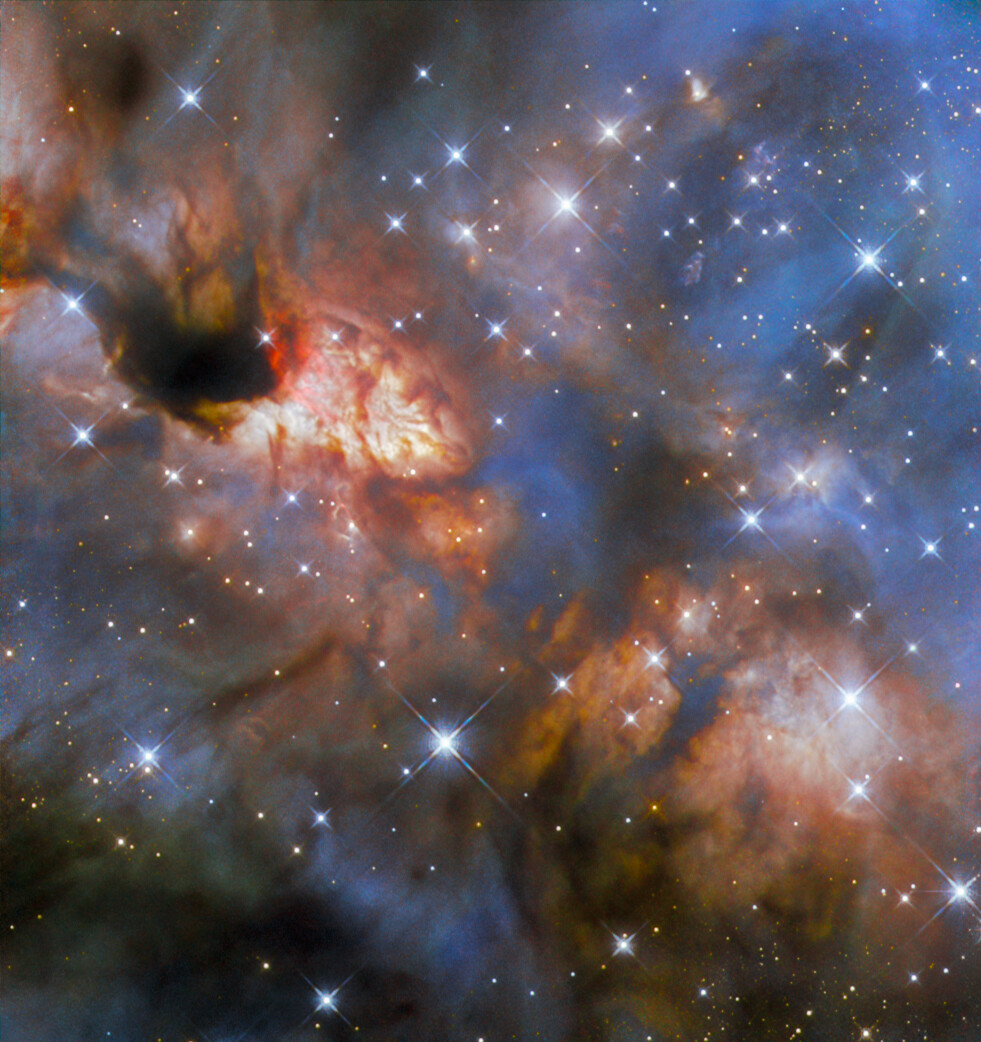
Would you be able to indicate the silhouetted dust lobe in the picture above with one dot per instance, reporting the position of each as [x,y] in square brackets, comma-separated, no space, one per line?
[117,78]
[187,364]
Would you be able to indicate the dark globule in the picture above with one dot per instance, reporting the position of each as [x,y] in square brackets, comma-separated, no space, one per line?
[185,366]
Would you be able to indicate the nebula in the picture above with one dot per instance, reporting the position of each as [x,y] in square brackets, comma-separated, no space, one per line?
[490,521]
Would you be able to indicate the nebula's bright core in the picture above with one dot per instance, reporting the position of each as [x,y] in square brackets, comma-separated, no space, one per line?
[491,513]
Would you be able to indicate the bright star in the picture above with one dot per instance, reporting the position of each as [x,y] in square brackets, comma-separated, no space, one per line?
[751,519]
[445,744]
[836,354]
[654,658]
[960,891]
[629,719]
[74,304]
[609,132]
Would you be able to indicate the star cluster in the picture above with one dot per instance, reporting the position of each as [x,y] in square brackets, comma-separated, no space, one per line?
[490,519]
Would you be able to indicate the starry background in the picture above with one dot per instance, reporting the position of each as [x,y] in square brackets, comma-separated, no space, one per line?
[490,521]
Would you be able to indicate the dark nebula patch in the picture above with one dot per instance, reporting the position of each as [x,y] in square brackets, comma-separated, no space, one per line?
[185,366]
